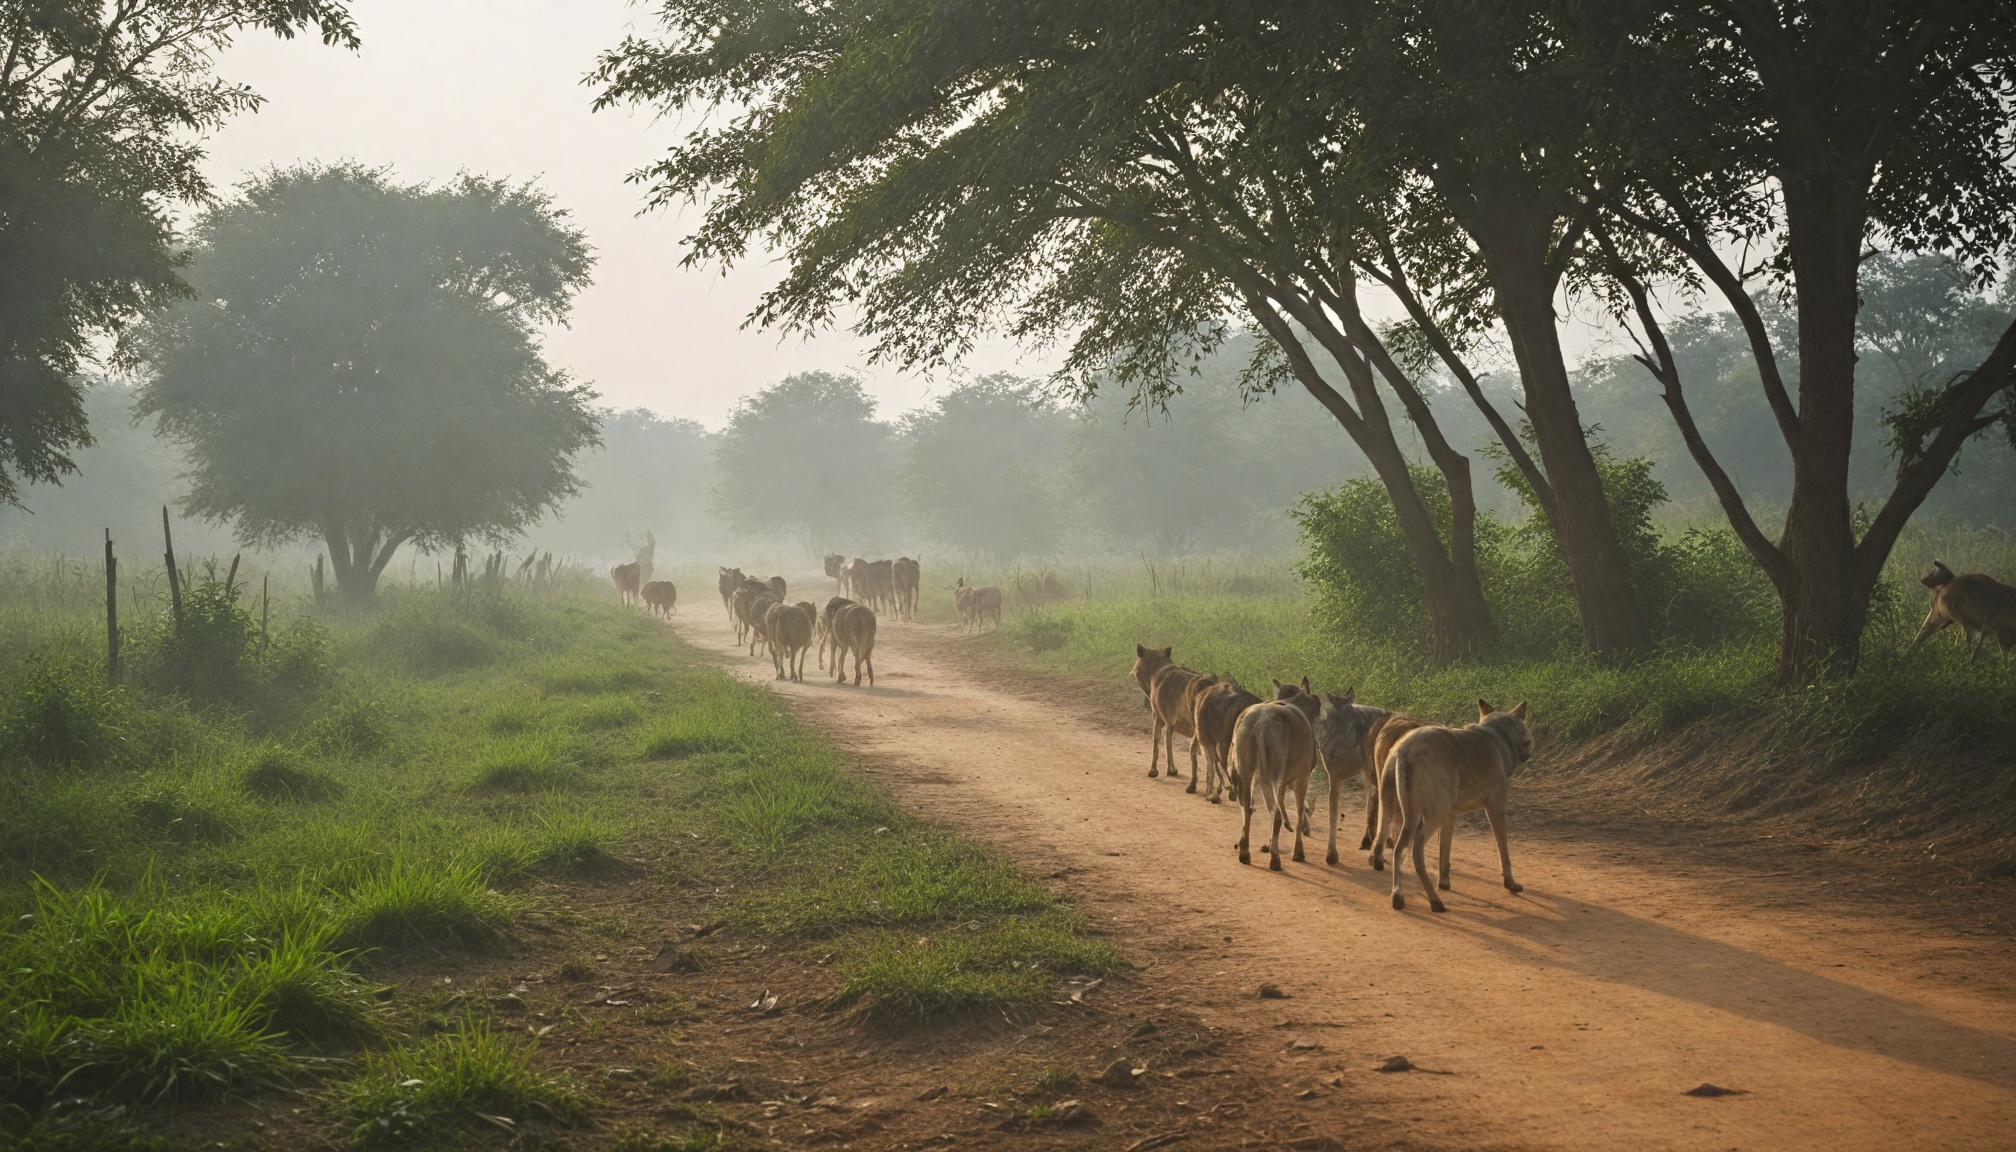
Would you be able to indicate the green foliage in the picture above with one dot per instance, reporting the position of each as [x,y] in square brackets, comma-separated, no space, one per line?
[449,1086]
[280,773]
[1009,965]
[61,715]
[318,278]
[804,458]
[416,903]
[93,157]
[981,468]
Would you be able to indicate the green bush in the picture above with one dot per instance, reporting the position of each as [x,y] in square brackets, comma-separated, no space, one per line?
[280,773]
[62,715]
[208,652]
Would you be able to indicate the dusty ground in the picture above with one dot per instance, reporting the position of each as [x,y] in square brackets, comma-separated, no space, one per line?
[1634,967]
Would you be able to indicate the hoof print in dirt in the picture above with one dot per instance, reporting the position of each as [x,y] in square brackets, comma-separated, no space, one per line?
[672,958]
[1272,992]
[1121,1074]
[1709,1090]
[1396,1064]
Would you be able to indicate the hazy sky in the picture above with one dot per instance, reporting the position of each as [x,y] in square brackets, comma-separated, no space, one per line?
[494,86]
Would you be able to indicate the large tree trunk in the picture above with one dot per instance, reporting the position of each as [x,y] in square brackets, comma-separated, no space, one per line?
[1826,594]
[358,555]
[1459,619]
[1517,259]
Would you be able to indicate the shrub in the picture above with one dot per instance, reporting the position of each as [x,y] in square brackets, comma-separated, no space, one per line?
[298,658]
[207,652]
[356,724]
[62,715]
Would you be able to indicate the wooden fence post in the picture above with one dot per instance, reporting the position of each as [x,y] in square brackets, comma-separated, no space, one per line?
[174,576]
[111,613]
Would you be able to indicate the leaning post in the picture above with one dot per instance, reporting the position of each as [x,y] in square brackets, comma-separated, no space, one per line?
[174,576]
[111,613]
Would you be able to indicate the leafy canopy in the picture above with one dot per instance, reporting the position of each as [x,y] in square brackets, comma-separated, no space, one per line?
[101,109]
[805,458]
[361,361]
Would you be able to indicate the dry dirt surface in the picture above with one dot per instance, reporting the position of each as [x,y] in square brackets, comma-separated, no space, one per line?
[1578,1014]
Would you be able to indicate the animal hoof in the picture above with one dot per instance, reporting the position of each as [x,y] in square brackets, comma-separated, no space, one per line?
[1330,858]
[1365,845]
[1399,903]
[1443,885]
[1274,863]
[1514,886]
[1378,865]
[1191,789]
[1217,799]
[1244,858]
[1152,773]
[1299,858]
[1435,905]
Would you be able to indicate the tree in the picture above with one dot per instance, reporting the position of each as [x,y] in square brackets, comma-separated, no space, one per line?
[1101,170]
[649,475]
[361,364]
[98,106]
[806,457]
[1810,135]
[981,468]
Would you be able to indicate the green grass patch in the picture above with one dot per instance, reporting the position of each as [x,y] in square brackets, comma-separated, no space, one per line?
[535,763]
[967,968]
[452,1086]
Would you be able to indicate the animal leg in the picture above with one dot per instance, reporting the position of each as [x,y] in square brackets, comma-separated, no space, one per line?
[1302,811]
[1280,814]
[1495,812]
[1371,783]
[1448,831]
[1193,766]
[1154,744]
[1421,864]
[1974,641]
[1336,793]
[871,670]
[1246,829]
[1399,873]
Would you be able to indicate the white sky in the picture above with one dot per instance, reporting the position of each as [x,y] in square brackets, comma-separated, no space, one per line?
[494,86]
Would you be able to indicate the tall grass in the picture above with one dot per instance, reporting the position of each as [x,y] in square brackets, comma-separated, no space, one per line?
[203,876]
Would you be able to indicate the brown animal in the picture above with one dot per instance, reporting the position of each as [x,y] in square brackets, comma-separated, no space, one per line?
[751,603]
[1352,740]
[1982,605]
[661,598]
[1436,773]
[853,579]
[1274,751]
[832,565]
[975,604]
[1147,662]
[1217,710]
[1172,700]
[625,577]
[731,579]
[881,586]
[1150,664]
[790,628]
[826,625]
[909,576]
[853,630]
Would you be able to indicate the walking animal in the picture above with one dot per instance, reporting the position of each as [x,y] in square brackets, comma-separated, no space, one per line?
[1217,711]
[1348,741]
[1982,605]
[661,598]
[826,626]
[790,629]
[853,631]
[909,578]
[1274,751]
[731,579]
[832,565]
[975,604]
[1436,773]
[627,581]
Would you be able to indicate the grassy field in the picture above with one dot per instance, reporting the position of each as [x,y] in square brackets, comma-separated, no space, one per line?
[218,875]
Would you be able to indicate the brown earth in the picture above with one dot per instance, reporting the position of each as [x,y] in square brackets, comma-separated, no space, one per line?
[1849,1005]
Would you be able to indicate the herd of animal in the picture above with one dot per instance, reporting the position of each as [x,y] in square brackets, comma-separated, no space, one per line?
[1418,776]
[634,583]
[887,586]
[763,617]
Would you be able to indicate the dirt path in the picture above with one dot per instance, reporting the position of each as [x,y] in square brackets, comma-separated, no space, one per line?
[1573,1016]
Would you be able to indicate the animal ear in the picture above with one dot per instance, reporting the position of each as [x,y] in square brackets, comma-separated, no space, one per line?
[1351,695]
[1305,684]
[1277,683]
[1140,651]
[1168,651]
[1519,710]
[1483,709]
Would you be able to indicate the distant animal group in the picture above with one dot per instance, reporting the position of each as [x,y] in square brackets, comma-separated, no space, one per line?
[887,586]
[634,584]
[1418,776]
[761,616]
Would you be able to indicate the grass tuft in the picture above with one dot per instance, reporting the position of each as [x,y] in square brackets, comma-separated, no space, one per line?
[278,773]
[409,905]
[523,764]
[959,970]
[451,1087]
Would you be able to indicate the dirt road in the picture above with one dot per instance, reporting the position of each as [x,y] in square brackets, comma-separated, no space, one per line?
[1575,1015]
